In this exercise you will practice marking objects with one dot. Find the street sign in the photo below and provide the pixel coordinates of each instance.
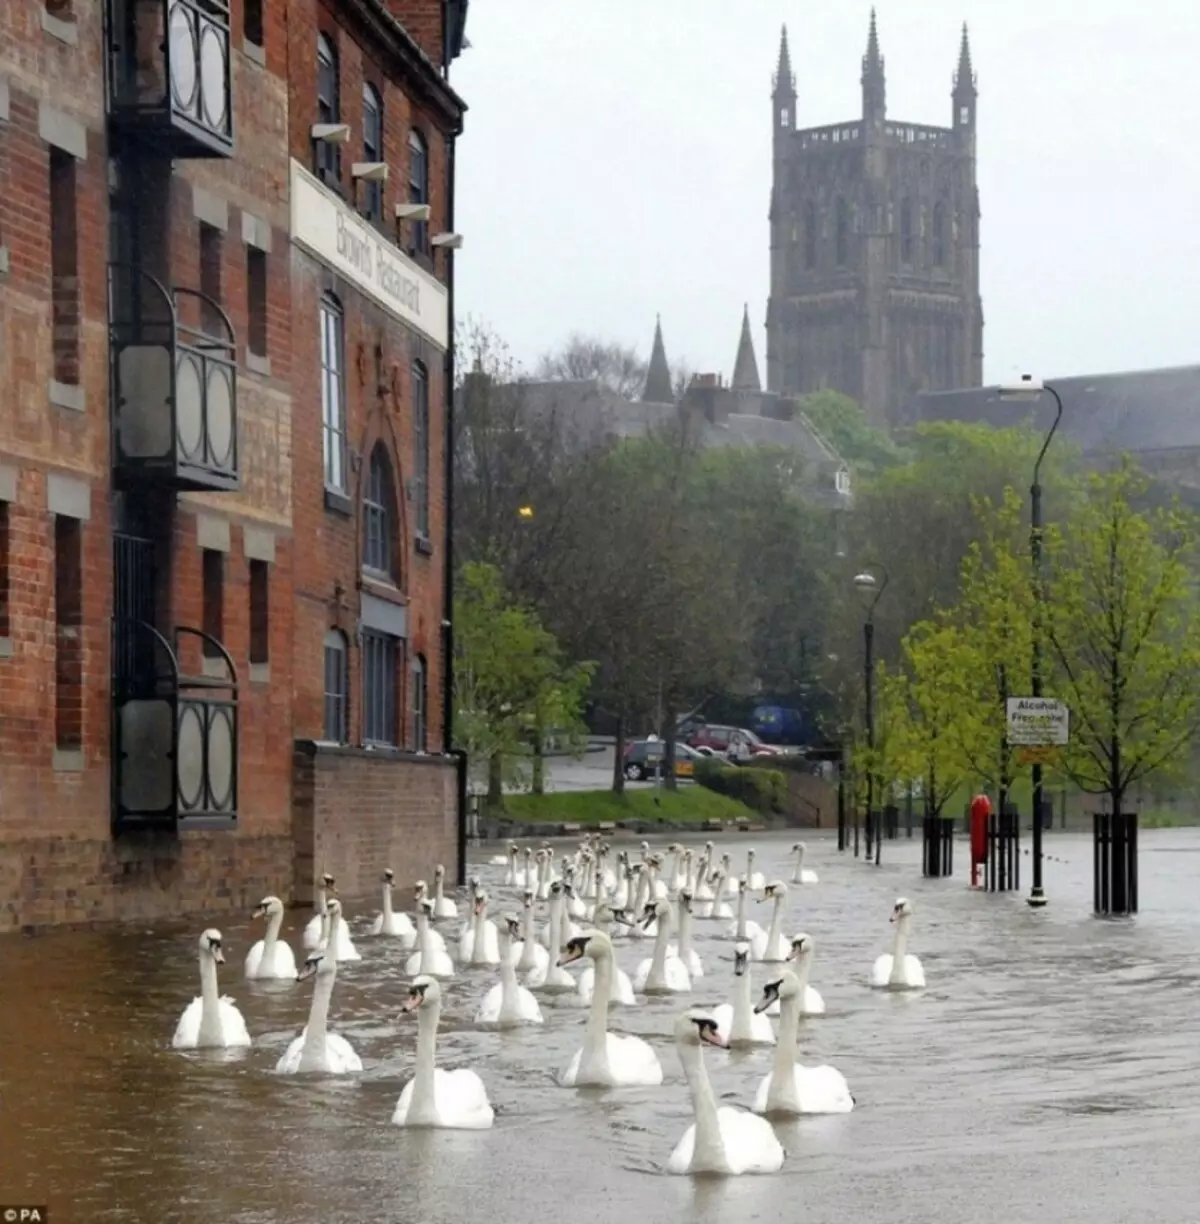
(1037, 722)
(1039, 756)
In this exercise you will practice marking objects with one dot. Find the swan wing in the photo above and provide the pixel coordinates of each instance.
(822, 1090)
(814, 1005)
(346, 951)
(412, 966)
(445, 908)
(694, 965)
(527, 1007)
(622, 990)
(680, 1159)
(340, 1056)
(489, 1006)
(723, 1015)
(312, 933)
(436, 940)
(881, 970)
(376, 927)
(466, 945)
(760, 1096)
(462, 1100)
(571, 1071)
(677, 975)
(914, 972)
(751, 1145)
(187, 1031)
(641, 973)
(400, 1114)
(586, 986)
(233, 1024)
(633, 1062)
(254, 959)
(289, 1060)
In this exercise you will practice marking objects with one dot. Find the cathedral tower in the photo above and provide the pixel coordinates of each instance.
(874, 247)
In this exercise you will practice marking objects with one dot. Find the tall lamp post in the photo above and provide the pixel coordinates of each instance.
(870, 589)
(1030, 388)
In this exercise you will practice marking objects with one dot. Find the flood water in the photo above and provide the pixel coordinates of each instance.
(1051, 1071)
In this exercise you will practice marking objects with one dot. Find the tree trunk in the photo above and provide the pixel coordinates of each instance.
(668, 765)
(618, 776)
(495, 782)
(538, 782)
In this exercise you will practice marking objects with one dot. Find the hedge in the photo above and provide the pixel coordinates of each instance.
(764, 790)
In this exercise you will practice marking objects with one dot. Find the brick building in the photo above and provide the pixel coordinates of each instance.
(226, 315)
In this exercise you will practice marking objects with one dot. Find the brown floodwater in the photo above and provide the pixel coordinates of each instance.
(1051, 1071)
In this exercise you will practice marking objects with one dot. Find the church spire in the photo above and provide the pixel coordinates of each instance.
(784, 82)
(745, 368)
(874, 84)
(965, 94)
(658, 373)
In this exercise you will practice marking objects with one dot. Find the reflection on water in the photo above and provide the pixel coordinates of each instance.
(1051, 1064)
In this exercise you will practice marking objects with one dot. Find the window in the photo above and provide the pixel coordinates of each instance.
(418, 190)
(212, 598)
(260, 621)
(372, 138)
(810, 235)
(64, 267)
(256, 301)
(843, 232)
(68, 635)
(333, 403)
(5, 555)
(785, 117)
(939, 235)
(252, 21)
(210, 280)
(328, 111)
(337, 687)
(906, 231)
(379, 688)
(379, 502)
(420, 705)
(420, 385)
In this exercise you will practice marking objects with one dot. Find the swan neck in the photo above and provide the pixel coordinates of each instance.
(709, 1148)
(423, 932)
(439, 894)
(658, 965)
(318, 1013)
(209, 998)
(741, 914)
(743, 1006)
(595, 1038)
(508, 974)
(272, 936)
(331, 941)
(785, 1048)
(387, 901)
(899, 948)
(776, 924)
(685, 932)
(423, 1097)
(802, 970)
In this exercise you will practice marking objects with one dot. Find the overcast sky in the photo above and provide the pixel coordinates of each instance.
(617, 164)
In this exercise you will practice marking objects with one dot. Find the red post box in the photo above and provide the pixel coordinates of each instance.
(981, 809)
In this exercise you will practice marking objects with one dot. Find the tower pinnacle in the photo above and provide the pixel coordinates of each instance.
(745, 368)
(874, 83)
(658, 374)
(964, 75)
(784, 79)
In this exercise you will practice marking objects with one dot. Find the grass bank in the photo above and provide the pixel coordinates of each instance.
(689, 805)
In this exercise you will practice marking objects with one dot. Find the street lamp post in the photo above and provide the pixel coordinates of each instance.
(1029, 388)
(870, 589)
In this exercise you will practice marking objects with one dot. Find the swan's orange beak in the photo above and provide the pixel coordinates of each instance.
(259, 912)
(712, 1037)
(411, 1003)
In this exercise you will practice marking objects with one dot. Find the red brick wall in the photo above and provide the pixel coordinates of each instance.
(423, 21)
(357, 814)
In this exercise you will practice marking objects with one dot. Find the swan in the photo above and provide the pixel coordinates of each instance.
(811, 1003)
(622, 891)
(549, 975)
(661, 973)
(498, 860)
(899, 969)
(526, 875)
(606, 1060)
(775, 947)
(731, 881)
(622, 987)
(346, 951)
(703, 890)
(314, 930)
(737, 1022)
(684, 951)
(743, 929)
(474, 888)
(389, 922)
(454, 1100)
(677, 878)
(574, 904)
(510, 876)
(508, 1004)
(755, 880)
(271, 957)
(545, 860)
(210, 1021)
(791, 1088)
(721, 1140)
(528, 954)
(443, 907)
(421, 893)
(714, 907)
(428, 959)
(560, 893)
(481, 944)
(800, 873)
(317, 1049)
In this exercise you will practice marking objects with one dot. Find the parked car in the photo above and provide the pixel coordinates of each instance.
(645, 757)
(719, 738)
(779, 724)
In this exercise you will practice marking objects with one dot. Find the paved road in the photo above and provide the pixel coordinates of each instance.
(592, 771)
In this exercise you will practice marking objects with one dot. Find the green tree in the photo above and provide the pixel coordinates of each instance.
(510, 678)
(843, 423)
(1123, 626)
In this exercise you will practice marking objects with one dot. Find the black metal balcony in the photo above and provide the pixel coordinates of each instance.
(174, 385)
(175, 734)
(168, 78)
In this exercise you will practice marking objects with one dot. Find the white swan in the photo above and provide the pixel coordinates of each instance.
(755, 880)
(271, 957)
(662, 973)
(704, 880)
(744, 929)
(508, 1004)
(443, 907)
(389, 921)
(346, 951)
(560, 890)
(899, 969)
(526, 875)
(721, 1140)
(314, 930)
(317, 1049)
(791, 1088)
(421, 893)
(622, 987)
(550, 975)
(510, 875)
(606, 1060)
(210, 1021)
(428, 959)
(800, 873)
(775, 947)
(685, 951)
(737, 1022)
(811, 1003)
(454, 1100)
(481, 944)
(528, 954)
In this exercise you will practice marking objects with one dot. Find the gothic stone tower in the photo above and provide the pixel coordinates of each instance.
(874, 248)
